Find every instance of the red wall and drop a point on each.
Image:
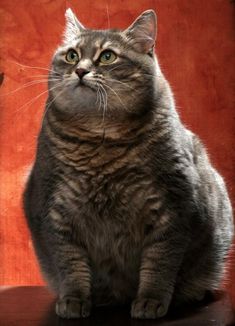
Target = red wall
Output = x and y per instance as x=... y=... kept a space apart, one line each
x=196 y=50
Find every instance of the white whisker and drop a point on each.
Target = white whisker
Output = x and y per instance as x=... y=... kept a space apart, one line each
x=118 y=81
x=107 y=11
x=33 y=100
x=105 y=102
x=123 y=64
x=48 y=105
x=100 y=98
x=33 y=67
x=31 y=83
x=116 y=95
x=45 y=75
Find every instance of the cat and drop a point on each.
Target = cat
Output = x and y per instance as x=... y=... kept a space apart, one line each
x=123 y=204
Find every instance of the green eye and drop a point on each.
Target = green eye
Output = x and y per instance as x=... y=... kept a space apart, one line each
x=72 y=56
x=107 y=57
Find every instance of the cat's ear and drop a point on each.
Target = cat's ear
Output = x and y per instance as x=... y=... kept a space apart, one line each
x=73 y=26
x=142 y=32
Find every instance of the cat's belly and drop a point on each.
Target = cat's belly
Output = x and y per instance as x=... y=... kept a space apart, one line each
x=114 y=257
x=113 y=288
x=113 y=284
x=110 y=220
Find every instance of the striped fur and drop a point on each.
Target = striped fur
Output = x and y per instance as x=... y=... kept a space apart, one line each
x=123 y=203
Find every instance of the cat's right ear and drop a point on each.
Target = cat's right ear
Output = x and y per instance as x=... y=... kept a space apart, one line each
x=73 y=26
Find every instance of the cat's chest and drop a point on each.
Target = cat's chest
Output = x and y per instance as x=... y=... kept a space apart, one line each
x=113 y=212
x=109 y=203
x=126 y=193
x=108 y=213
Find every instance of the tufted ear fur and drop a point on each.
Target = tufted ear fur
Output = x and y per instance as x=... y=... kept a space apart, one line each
x=142 y=32
x=73 y=26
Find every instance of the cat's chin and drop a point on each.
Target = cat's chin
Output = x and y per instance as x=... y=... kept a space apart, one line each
x=83 y=99
x=83 y=85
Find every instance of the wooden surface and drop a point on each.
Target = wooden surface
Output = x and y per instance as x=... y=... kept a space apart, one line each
x=34 y=306
x=195 y=46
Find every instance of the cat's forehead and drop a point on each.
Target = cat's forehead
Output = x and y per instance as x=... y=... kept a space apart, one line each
x=91 y=40
x=99 y=37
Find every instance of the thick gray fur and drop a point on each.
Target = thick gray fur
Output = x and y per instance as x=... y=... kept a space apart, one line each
x=123 y=203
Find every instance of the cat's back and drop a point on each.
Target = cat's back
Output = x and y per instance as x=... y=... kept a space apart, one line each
x=212 y=190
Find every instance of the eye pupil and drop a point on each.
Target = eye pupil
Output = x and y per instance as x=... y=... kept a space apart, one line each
x=107 y=55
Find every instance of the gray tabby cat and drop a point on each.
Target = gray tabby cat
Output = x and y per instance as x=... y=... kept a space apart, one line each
x=122 y=202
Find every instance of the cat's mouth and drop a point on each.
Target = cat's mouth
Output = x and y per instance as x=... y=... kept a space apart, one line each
x=85 y=84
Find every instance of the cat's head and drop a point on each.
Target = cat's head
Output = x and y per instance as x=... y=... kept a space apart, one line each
x=105 y=72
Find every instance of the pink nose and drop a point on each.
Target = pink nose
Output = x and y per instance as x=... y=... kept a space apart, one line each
x=81 y=72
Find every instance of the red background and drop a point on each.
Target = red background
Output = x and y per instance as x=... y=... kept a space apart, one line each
x=196 y=50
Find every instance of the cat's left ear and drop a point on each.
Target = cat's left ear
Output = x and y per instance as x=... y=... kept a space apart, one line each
x=142 y=32
x=73 y=26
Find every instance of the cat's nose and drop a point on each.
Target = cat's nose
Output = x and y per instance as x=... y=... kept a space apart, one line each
x=81 y=72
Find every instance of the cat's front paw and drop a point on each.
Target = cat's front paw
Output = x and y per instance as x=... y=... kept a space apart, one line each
x=72 y=307
x=144 y=308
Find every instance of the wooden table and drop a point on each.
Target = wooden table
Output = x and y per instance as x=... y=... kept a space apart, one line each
x=34 y=306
